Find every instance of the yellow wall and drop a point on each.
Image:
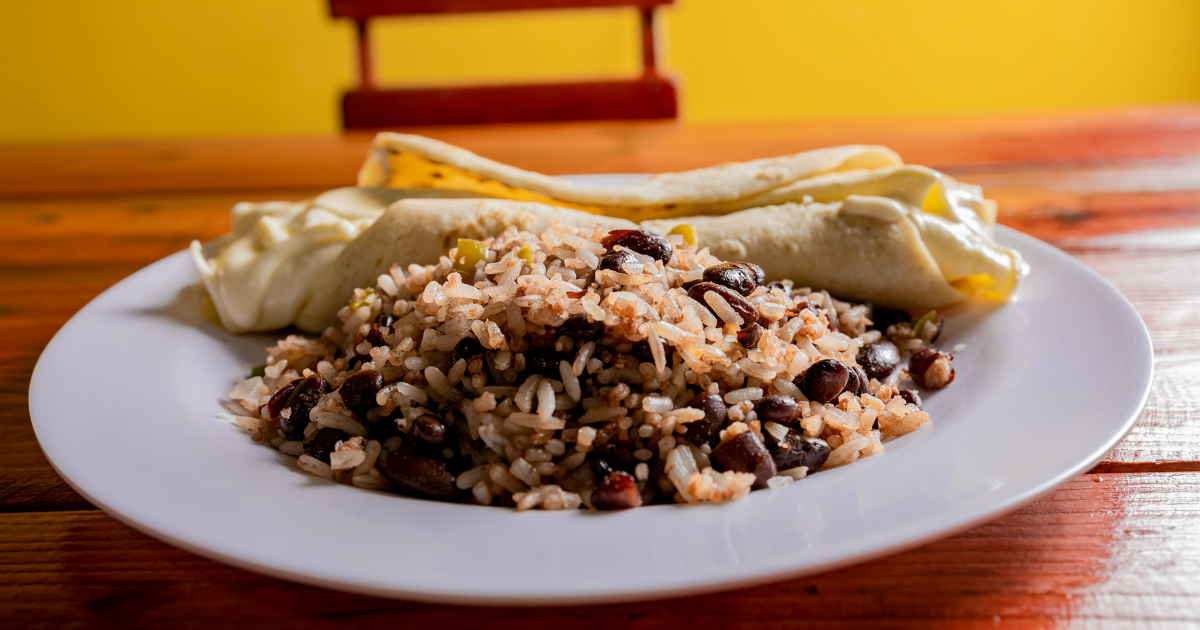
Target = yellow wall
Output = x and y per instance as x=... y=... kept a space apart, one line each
x=80 y=69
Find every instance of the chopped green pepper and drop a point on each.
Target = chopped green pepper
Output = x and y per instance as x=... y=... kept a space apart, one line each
x=470 y=252
x=919 y=325
x=686 y=231
x=258 y=370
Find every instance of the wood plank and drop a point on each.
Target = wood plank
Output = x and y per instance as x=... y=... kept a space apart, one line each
x=615 y=147
x=1114 y=550
x=1156 y=271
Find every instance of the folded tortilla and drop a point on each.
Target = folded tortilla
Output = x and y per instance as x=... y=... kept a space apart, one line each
x=261 y=275
x=416 y=162
x=868 y=249
x=421 y=231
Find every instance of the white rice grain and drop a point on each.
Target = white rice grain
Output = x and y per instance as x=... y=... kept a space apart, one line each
x=471 y=477
x=787 y=388
x=656 y=349
x=757 y=371
x=545 y=399
x=412 y=392
x=570 y=380
x=416 y=363
x=658 y=404
x=524 y=471
x=779 y=481
x=535 y=421
x=723 y=309
x=744 y=395
x=441 y=384
x=679 y=468
x=461 y=290
x=314 y=466
x=295 y=449
x=371 y=481
x=388 y=285
x=798 y=472
x=685 y=415
x=602 y=414
x=524 y=396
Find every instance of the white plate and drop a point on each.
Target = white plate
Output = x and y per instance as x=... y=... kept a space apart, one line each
x=124 y=401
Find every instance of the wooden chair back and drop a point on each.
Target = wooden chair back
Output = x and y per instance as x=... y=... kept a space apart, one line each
x=649 y=96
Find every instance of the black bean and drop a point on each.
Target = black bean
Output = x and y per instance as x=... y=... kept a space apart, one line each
x=303 y=398
x=857 y=381
x=358 y=391
x=911 y=397
x=544 y=361
x=931 y=369
x=609 y=453
x=778 y=408
x=760 y=276
x=385 y=319
x=384 y=428
x=739 y=276
x=835 y=324
x=740 y=305
x=690 y=283
x=430 y=432
x=320 y=444
x=279 y=401
x=618 y=491
x=601 y=466
x=646 y=243
x=750 y=335
x=468 y=348
x=863 y=379
x=375 y=336
x=881 y=318
x=641 y=350
x=706 y=429
x=581 y=328
x=823 y=380
x=746 y=453
x=420 y=476
x=615 y=260
x=796 y=450
x=879 y=359
x=606 y=461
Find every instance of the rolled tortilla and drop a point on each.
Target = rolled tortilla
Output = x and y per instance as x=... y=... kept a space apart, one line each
x=421 y=231
x=871 y=249
x=415 y=162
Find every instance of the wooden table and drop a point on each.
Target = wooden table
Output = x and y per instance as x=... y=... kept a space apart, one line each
x=1119 y=546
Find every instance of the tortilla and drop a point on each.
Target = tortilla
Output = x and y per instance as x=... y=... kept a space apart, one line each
x=409 y=161
x=421 y=231
x=944 y=247
x=870 y=249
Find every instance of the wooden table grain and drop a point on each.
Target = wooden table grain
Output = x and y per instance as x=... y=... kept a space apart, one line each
x=1117 y=547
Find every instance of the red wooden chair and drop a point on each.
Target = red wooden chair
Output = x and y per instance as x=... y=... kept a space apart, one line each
x=646 y=97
